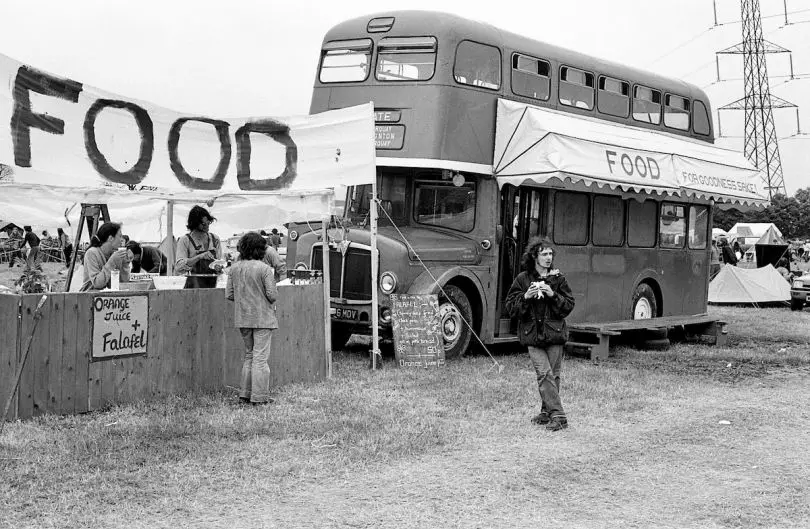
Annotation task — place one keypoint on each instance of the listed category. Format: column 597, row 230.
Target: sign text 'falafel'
column 57, row 131
column 120, row 325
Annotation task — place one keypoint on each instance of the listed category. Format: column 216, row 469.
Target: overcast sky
column 258, row 57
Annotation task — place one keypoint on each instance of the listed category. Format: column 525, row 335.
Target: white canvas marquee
column 538, row 145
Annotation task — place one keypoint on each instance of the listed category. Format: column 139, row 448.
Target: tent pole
column 327, row 305
column 170, row 235
column 375, row 262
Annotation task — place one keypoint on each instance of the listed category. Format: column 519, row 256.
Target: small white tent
column 756, row 285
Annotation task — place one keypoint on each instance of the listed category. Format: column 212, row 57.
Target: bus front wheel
column 454, row 311
column 644, row 303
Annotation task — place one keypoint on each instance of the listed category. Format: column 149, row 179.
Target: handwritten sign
column 120, row 325
column 417, row 335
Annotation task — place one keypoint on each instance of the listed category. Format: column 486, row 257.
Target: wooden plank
column 83, row 377
column 184, row 364
column 208, row 336
column 53, row 403
column 652, row 323
column 40, row 356
column 9, row 349
column 25, row 408
column 70, row 322
column 155, row 342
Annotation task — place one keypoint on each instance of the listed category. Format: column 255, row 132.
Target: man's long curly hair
column 536, row 245
column 252, row 246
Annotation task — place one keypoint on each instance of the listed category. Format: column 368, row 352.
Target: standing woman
column 252, row 287
column 541, row 299
column 102, row 258
column 64, row 244
column 198, row 249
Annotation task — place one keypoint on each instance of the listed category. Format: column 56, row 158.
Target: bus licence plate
column 346, row 314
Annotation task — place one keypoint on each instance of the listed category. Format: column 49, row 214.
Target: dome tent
column 758, row 285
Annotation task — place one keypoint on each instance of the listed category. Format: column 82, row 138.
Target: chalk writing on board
column 417, row 330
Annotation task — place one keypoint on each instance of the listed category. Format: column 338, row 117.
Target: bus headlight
column 293, row 235
column 388, row 282
column 798, row 283
column 300, row 266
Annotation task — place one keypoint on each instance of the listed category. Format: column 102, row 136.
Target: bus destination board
column 389, row 136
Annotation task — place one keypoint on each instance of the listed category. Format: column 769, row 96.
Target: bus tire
column 644, row 305
column 796, row 304
column 339, row 338
column 453, row 306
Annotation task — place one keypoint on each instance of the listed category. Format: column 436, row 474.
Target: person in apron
column 197, row 250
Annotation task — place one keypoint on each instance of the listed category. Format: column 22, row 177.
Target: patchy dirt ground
column 56, row 272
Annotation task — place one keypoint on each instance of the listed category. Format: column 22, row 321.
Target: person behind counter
column 198, row 249
column 252, row 288
column 147, row 259
column 102, row 258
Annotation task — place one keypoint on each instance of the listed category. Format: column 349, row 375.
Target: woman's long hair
column 195, row 217
column 107, row 230
column 536, row 245
column 252, row 246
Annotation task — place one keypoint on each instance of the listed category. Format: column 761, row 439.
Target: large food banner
column 60, row 132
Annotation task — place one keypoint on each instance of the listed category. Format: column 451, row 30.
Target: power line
column 678, row 47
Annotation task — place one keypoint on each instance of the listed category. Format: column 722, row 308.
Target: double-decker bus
column 447, row 227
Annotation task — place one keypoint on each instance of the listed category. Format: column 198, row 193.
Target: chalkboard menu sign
column 417, row 335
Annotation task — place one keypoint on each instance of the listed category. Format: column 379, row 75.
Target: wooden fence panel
column 84, row 380
column 56, row 332
column 192, row 345
column 154, row 346
column 68, row 375
column 25, row 407
column 9, row 349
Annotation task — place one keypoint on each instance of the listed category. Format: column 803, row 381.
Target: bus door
column 522, row 217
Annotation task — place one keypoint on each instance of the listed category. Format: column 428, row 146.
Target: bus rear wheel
column 644, row 305
column 454, row 310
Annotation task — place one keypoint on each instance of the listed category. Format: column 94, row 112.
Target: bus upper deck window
column 406, row 58
column 530, row 77
column 614, row 97
column 345, row 61
column 576, row 88
column 700, row 119
column 647, row 105
column 478, row 65
column 676, row 112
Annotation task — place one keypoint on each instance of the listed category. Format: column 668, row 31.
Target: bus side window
column 531, row 77
column 698, row 227
column 642, row 223
column 608, row 221
column 672, row 231
column 676, row 112
column 576, row 88
column 614, row 97
column 647, row 105
column 571, row 218
column 478, row 65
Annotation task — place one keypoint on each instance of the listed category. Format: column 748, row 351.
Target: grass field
column 448, row 448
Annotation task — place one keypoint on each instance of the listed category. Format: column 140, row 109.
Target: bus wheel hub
column 451, row 323
column 643, row 310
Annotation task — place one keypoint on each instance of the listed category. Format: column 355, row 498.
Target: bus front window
column 391, row 190
column 345, row 61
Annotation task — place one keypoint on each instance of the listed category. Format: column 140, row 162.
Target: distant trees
column 790, row 214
